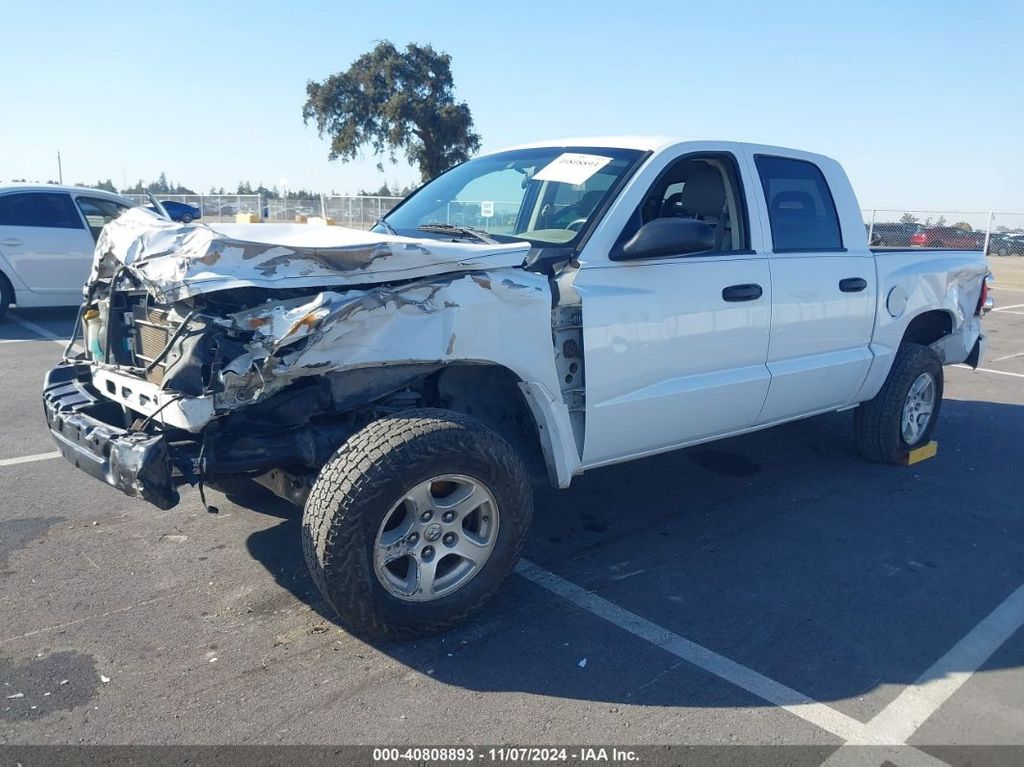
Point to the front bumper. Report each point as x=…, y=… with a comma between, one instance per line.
x=87, y=426
x=81, y=422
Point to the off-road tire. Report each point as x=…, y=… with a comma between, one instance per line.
x=363, y=481
x=6, y=295
x=877, y=423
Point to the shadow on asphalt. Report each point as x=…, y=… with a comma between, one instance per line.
x=58, y=320
x=782, y=550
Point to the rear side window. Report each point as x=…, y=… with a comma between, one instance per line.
x=99, y=212
x=800, y=206
x=44, y=209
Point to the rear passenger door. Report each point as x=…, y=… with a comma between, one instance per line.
x=45, y=242
x=823, y=294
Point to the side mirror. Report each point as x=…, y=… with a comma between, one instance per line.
x=668, y=237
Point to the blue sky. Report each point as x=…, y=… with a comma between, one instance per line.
x=921, y=101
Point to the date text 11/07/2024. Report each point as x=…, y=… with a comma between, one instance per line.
x=505, y=754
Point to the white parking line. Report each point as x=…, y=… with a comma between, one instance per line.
x=891, y=727
x=28, y=458
x=1004, y=308
x=989, y=370
x=1008, y=357
x=901, y=718
x=767, y=689
x=39, y=329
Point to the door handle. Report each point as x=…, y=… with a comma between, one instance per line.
x=853, y=284
x=11, y=242
x=748, y=292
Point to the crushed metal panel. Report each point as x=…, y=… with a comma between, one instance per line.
x=177, y=261
x=435, y=321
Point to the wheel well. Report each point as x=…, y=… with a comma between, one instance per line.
x=929, y=327
x=491, y=394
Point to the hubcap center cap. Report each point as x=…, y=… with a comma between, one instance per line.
x=433, y=532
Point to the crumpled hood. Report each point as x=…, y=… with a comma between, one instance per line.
x=176, y=261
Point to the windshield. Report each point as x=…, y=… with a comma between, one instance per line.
x=544, y=195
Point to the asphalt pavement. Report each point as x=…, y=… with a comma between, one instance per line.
x=768, y=589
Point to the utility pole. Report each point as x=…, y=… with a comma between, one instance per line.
x=60, y=171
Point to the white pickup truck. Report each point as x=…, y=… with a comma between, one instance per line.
x=527, y=316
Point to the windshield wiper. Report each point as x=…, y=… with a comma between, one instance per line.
x=386, y=225
x=462, y=231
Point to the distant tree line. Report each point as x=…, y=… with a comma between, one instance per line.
x=910, y=218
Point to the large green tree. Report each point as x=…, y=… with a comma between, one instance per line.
x=395, y=101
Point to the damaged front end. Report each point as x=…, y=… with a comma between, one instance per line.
x=210, y=356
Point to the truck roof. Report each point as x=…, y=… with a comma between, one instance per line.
x=652, y=143
x=643, y=143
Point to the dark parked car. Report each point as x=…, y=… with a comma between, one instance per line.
x=1002, y=244
x=892, y=235
x=180, y=211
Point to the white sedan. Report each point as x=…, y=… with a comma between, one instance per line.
x=47, y=237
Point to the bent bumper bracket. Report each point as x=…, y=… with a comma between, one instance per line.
x=137, y=464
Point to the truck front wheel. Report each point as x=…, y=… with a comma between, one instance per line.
x=902, y=416
x=415, y=522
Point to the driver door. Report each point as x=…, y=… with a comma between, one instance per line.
x=676, y=346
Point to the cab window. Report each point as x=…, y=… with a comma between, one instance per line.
x=705, y=187
x=801, y=211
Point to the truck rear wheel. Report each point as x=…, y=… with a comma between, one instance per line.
x=902, y=416
x=415, y=522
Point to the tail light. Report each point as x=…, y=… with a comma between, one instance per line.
x=918, y=239
x=983, y=298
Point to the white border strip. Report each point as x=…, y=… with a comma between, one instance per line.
x=39, y=329
x=28, y=459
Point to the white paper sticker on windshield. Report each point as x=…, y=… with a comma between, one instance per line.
x=572, y=168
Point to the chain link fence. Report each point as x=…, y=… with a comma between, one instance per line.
x=998, y=233
x=357, y=212
x=210, y=207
